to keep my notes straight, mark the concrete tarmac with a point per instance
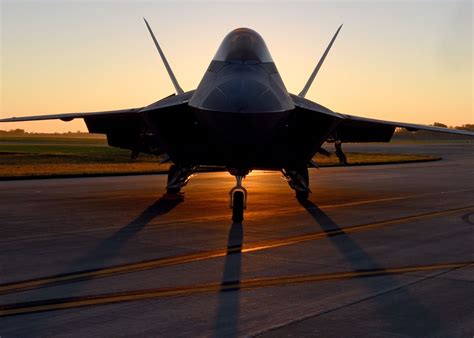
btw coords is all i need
(377, 251)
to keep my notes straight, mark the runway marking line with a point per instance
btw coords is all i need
(188, 258)
(395, 198)
(128, 296)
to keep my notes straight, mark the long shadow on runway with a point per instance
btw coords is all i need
(109, 247)
(402, 322)
(227, 318)
(104, 251)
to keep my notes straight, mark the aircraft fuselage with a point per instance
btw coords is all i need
(240, 115)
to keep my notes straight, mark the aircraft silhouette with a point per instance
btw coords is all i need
(240, 117)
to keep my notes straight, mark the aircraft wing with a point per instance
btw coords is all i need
(168, 101)
(362, 129)
(124, 128)
(349, 128)
(70, 116)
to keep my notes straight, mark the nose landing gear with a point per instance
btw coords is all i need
(238, 197)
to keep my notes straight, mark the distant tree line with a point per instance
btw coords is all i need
(403, 134)
(22, 132)
(13, 132)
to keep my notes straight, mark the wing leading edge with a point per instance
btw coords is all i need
(169, 101)
(71, 116)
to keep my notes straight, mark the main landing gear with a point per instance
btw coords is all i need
(340, 153)
(238, 196)
(178, 177)
(298, 179)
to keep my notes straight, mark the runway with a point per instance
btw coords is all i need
(377, 251)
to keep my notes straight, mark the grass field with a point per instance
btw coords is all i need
(22, 157)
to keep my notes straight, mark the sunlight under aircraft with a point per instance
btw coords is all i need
(241, 117)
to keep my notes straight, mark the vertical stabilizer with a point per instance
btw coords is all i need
(320, 63)
(179, 90)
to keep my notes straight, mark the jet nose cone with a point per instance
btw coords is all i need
(243, 45)
(242, 78)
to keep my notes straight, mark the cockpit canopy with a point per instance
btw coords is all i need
(243, 45)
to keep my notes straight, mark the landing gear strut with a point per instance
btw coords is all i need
(238, 197)
(339, 153)
(298, 181)
(178, 177)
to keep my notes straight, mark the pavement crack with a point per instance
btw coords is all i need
(373, 296)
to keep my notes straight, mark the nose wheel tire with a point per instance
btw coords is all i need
(238, 198)
(238, 207)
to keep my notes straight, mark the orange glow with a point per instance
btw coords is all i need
(386, 63)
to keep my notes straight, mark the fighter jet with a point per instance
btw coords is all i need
(241, 117)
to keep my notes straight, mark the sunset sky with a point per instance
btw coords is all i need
(397, 60)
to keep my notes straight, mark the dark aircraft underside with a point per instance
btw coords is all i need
(271, 140)
(235, 140)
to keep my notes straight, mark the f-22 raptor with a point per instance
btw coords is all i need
(240, 117)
